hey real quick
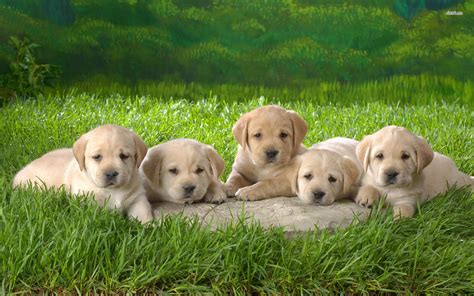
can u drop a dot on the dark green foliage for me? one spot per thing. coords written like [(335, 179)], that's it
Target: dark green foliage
[(409, 8), (27, 77), (246, 42), (30, 7), (440, 4), (59, 12)]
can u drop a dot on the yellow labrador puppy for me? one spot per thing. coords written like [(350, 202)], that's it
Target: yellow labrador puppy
[(104, 162), (329, 171), (269, 139), (403, 167), (183, 171)]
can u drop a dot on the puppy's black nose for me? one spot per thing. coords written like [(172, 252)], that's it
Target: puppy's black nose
[(318, 195), (271, 154), (189, 188), (391, 174), (111, 175)]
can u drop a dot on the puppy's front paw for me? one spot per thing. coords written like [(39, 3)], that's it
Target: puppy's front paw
[(403, 211), (230, 190), (367, 196), (217, 197), (145, 218), (247, 193), (365, 201)]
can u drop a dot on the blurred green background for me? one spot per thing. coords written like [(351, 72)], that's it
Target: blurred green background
[(259, 42)]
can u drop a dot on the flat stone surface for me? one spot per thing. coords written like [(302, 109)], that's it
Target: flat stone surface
[(288, 212)]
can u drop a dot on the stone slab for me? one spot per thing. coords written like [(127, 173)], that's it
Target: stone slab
[(287, 212)]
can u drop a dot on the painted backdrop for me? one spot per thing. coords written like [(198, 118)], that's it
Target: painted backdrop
[(268, 42)]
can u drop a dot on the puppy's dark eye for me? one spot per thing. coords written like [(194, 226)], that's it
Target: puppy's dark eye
[(97, 157), (283, 135), (308, 176), (331, 179), (379, 156), (199, 170), (173, 171), (123, 156), (405, 156), (258, 135)]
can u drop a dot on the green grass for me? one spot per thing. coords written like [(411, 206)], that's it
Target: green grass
[(416, 90), (50, 242)]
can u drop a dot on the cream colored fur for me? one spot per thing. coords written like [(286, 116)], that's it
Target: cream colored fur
[(183, 171), (329, 171), (108, 149), (255, 174), (421, 174)]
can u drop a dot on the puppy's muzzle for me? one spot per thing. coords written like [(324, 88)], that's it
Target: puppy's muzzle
[(271, 154), (318, 195), (188, 190), (111, 177), (391, 176)]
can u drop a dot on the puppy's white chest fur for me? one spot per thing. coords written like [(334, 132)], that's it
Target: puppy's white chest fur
[(268, 171), (119, 198), (396, 195), (255, 173)]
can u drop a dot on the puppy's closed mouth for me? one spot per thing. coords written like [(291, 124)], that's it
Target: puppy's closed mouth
[(271, 161), (320, 203), (188, 199), (391, 182)]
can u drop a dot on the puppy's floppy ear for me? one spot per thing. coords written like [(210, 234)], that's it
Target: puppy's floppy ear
[(140, 149), (151, 165), (351, 174), (299, 129), (363, 151), (424, 153), (79, 150), (294, 176), (217, 163), (240, 130)]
